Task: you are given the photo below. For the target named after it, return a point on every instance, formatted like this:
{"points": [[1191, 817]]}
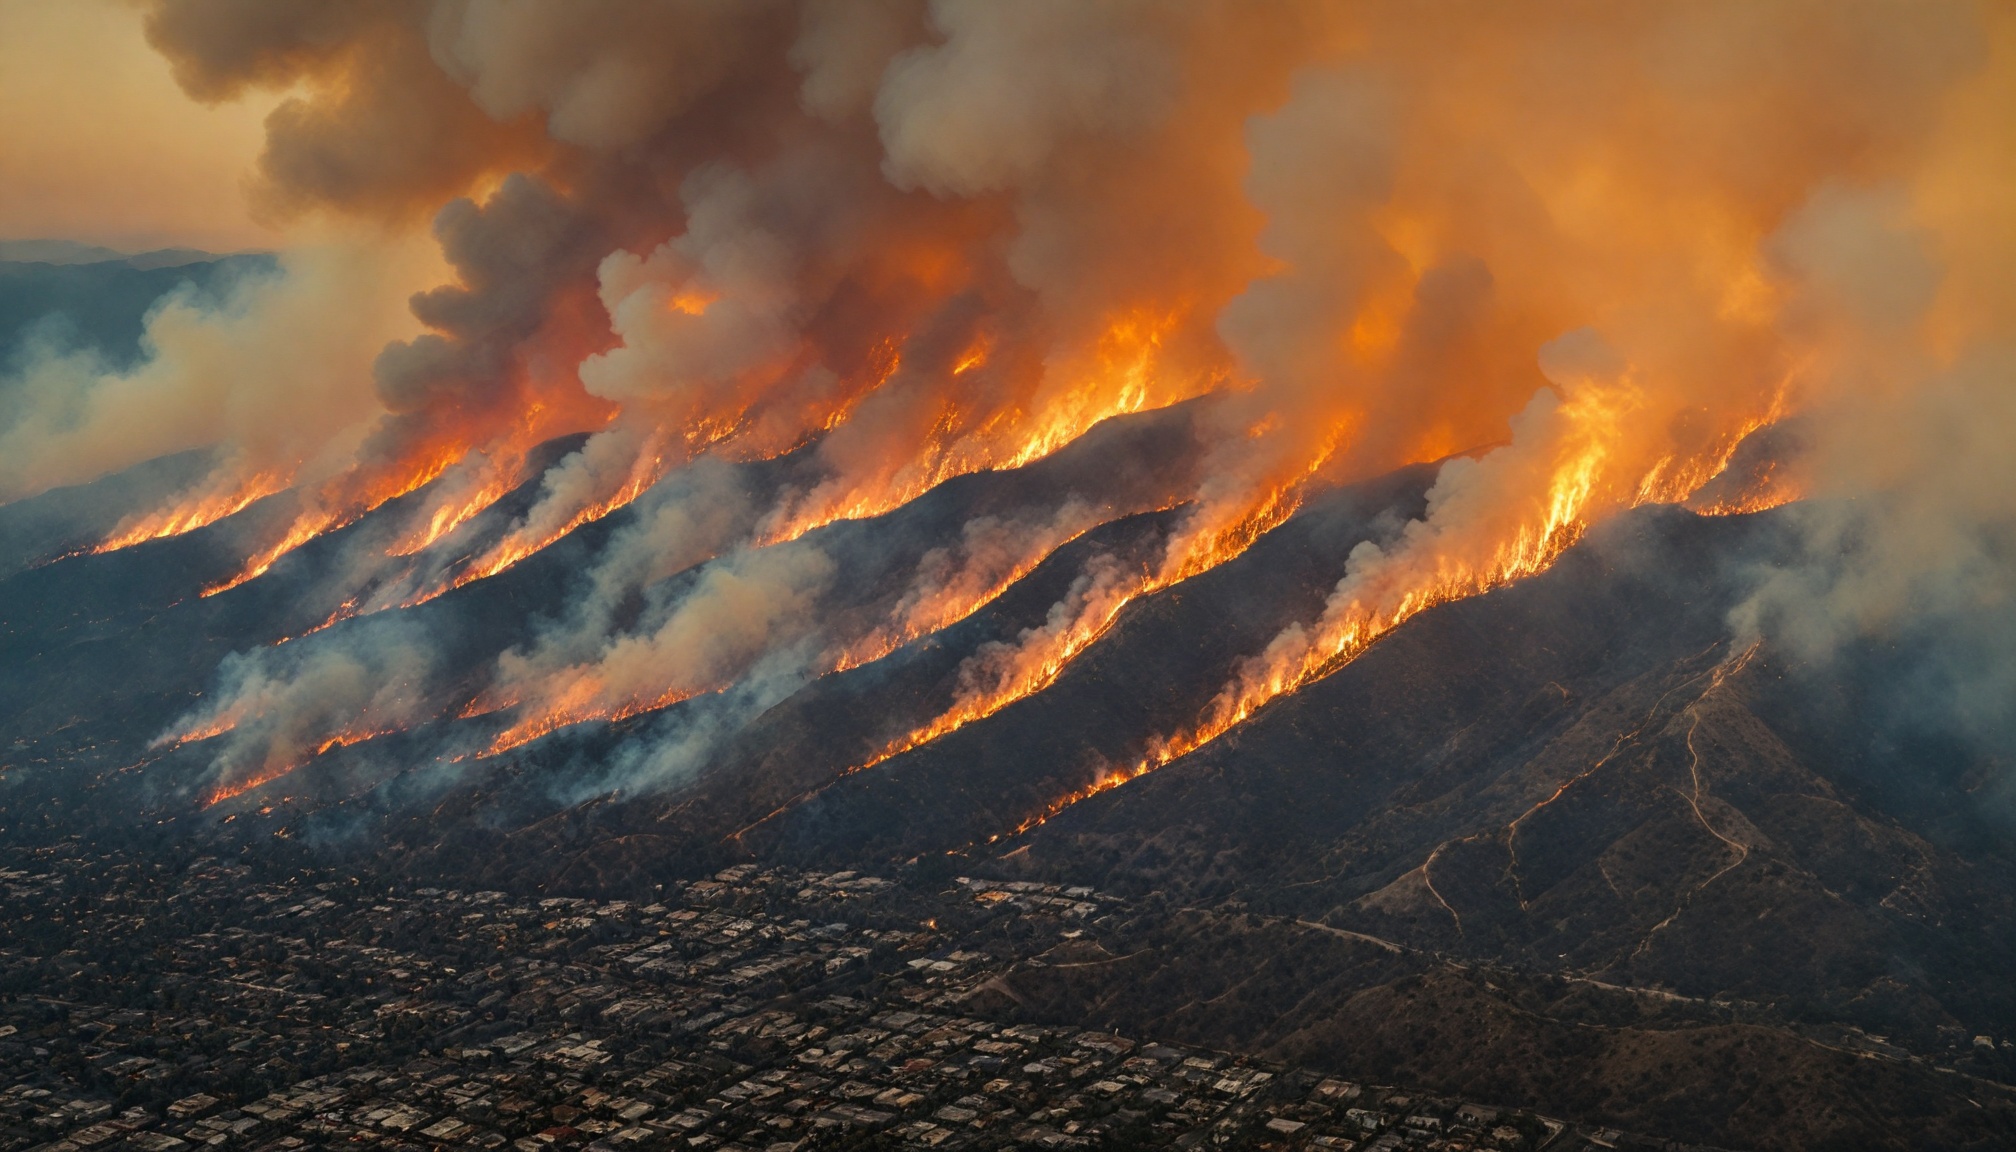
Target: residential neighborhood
{"points": [[159, 1009]]}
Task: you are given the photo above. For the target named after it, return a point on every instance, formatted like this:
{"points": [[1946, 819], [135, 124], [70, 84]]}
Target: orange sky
{"points": [[98, 144]]}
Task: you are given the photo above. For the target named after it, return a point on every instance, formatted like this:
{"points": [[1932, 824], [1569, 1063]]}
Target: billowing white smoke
{"points": [[917, 240], [279, 374]]}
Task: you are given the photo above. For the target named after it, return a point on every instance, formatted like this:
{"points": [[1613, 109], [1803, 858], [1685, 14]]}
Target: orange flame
{"points": [[1019, 672], [344, 611], [584, 698], [196, 512], [1383, 597], [943, 609], [335, 505], [648, 468], [578, 705], [1769, 487], [206, 731], [662, 448], [1031, 669], [1122, 380], [458, 508], [1771, 491], [270, 773], [304, 529]]}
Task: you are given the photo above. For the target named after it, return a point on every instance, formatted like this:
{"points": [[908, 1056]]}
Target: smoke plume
{"points": [[1578, 252]]}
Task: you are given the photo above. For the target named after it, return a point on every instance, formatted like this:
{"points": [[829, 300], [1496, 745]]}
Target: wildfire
{"points": [[1105, 783], [1426, 570], [206, 731], [457, 507], [585, 696], [1032, 669], [272, 772], [666, 444], [578, 706], [1760, 499], [1676, 479], [194, 513], [304, 529], [1338, 642], [343, 612], [1123, 382], [945, 608], [1770, 487], [976, 358], [1126, 369], [335, 505], [1122, 379], [525, 540], [1004, 675]]}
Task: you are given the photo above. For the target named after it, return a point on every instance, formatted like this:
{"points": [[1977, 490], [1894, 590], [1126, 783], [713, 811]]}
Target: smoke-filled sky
{"points": [[97, 144], [1583, 249]]}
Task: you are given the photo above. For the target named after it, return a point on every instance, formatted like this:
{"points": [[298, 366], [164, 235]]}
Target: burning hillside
{"points": [[1461, 531], [647, 359]]}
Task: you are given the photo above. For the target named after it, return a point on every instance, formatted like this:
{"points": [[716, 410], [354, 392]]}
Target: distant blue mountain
{"points": [[77, 296], [73, 252]]}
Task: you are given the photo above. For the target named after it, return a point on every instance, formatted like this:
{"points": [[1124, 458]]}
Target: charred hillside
{"points": [[1568, 843], [1543, 844], [1460, 559], [104, 652]]}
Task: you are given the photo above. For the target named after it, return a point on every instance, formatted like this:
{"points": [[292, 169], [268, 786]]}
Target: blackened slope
{"points": [[41, 528], [1122, 466], [1437, 710], [1574, 777], [513, 825], [1164, 657]]}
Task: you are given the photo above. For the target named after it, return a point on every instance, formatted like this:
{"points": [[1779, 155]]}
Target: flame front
{"points": [[1000, 675], [273, 770], [1484, 531], [1122, 376], [877, 262], [586, 693], [483, 486], [194, 511], [525, 540]]}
